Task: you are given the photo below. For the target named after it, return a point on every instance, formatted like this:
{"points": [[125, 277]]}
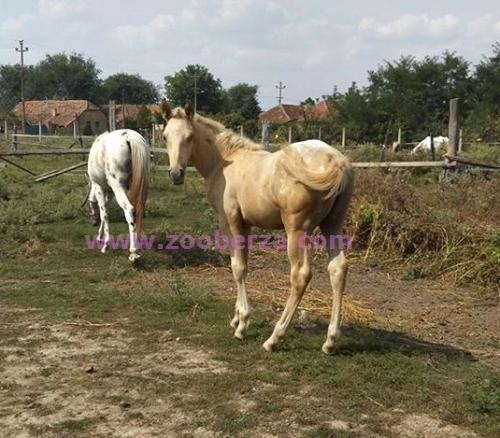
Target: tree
{"points": [[131, 88], [58, 76], [484, 118], [71, 76], [414, 94], [10, 85], [308, 101], [440, 79], [180, 88], [391, 95], [144, 118], [353, 112], [242, 99]]}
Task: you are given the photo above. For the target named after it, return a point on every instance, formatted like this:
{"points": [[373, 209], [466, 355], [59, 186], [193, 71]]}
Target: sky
{"points": [[312, 46]]}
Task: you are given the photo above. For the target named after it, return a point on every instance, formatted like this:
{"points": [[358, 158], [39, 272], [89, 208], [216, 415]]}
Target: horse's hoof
{"points": [[103, 250], [134, 257], [269, 346], [328, 348], [234, 322], [239, 337]]}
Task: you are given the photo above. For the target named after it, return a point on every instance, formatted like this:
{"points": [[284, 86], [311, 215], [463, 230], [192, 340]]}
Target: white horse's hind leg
{"points": [[94, 206], [128, 210], [102, 200], [337, 268]]}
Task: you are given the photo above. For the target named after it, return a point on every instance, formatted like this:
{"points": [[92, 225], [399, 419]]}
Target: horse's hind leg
{"points": [[128, 210], [337, 269], [102, 199], [331, 227], [300, 275], [94, 206]]}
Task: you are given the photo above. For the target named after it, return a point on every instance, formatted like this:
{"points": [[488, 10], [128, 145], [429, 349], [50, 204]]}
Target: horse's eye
{"points": [[189, 137]]}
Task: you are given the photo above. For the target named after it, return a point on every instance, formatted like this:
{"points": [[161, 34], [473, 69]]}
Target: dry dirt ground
{"points": [[435, 311], [78, 378]]}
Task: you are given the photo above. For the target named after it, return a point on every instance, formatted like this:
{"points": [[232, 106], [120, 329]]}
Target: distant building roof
{"points": [[282, 113], [56, 112], [319, 111], [285, 113], [131, 110]]}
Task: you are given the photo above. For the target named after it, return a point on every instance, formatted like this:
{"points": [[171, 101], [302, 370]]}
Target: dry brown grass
{"points": [[440, 229]]}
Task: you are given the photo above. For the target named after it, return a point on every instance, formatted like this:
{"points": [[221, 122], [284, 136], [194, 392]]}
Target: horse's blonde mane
{"points": [[229, 142], [226, 141]]}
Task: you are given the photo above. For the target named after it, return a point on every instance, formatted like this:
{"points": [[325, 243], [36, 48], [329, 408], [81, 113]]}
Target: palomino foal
{"points": [[119, 161], [306, 185]]}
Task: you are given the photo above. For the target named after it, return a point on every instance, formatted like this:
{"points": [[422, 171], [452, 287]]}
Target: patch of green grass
{"points": [[75, 426], [46, 266], [484, 397]]}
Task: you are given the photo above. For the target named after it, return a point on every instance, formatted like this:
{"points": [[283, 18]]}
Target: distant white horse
{"points": [[425, 144], [119, 161]]}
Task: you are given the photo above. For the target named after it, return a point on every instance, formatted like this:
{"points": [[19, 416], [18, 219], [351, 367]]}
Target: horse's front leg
{"points": [[300, 275]]}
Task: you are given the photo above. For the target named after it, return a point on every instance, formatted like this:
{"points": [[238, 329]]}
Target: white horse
{"points": [[119, 161], [425, 144]]}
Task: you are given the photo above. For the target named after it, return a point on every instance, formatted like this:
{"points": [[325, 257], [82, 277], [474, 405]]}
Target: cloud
{"points": [[147, 33], [486, 26], [52, 7], [44, 11], [410, 25], [15, 24]]}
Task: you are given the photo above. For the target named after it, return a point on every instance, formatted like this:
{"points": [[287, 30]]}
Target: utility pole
{"points": [[195, 92], [280, 88], [123, 109], [21, 49]]}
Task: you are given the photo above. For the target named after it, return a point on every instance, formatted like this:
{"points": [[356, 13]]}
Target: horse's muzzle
{"points": [[177, 176]]}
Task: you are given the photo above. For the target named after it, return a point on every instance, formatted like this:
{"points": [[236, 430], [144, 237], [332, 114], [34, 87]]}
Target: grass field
{"points": [[90, 345]]}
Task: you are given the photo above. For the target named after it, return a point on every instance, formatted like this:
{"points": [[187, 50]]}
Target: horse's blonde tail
{"points": [[139, 178], [333, 179]]}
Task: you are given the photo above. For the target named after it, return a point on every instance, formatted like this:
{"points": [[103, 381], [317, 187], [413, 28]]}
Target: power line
{"points": [[21, 49], [280, 88]]}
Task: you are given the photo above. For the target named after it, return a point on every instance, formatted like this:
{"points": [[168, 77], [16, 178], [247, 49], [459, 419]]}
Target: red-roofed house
{"points": [[285, 113], [64, 116]]}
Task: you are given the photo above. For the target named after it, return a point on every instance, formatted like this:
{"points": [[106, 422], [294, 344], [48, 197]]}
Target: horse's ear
{"points": [[166, 111], [189, 110]]}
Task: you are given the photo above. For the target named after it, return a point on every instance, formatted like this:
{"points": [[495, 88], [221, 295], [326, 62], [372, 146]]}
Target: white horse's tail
{"points": [[139, 178], [334, 179]]}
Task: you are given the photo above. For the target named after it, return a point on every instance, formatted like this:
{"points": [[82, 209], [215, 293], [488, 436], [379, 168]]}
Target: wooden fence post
{"points": [[399, 135], [39, 131], [290, 134], [319, 133], [242, 133], [433, 149], [343, 137], [453, 134], [112, 115], [6, 127], [460, 140], [14, 139], [453, 128]]}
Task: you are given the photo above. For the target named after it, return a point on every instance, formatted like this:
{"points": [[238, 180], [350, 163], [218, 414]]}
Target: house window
{"points": [[88, 129]]}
